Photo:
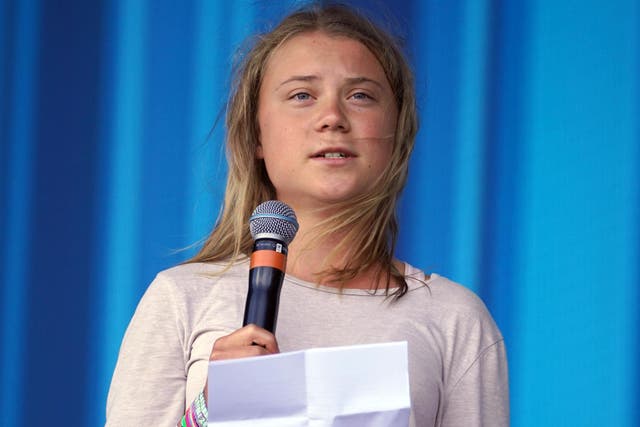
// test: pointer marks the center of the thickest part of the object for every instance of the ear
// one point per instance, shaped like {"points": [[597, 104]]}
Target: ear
{"points": [[259, 153]]}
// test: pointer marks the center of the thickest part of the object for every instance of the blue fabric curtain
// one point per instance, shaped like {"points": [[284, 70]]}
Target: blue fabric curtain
{"points": [[524, 184]]}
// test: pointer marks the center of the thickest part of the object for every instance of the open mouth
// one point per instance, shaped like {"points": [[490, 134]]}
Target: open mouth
{"points": [[333, 154]]}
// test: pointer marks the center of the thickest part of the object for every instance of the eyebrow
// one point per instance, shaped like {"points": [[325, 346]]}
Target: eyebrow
{"points": [[298, 79], [349, 80], [356, 80]]}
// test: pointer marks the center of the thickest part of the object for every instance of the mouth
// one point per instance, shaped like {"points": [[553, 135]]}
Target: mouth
{"points": [[333, 154]]}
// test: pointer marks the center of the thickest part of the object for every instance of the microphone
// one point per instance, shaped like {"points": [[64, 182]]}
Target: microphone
{"points": [[273, 226]]}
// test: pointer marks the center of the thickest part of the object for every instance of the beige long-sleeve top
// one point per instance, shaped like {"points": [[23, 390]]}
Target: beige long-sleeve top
{"points": [[457, 360]]}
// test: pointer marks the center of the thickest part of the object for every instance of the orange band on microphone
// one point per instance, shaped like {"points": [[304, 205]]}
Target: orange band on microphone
{"points": [[268, 258]]}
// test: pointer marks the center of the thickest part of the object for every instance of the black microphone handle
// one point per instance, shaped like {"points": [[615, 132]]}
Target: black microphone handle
{"points": [[263, 297]]}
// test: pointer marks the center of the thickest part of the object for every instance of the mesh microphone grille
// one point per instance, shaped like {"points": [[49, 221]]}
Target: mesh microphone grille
{"points": [[274, 217]]}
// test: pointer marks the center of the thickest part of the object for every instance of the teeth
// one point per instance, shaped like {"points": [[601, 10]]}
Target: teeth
{"points": [[334, 155]]}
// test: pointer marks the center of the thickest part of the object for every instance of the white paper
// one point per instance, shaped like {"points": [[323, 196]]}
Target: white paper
{"points": [[365, 385]]}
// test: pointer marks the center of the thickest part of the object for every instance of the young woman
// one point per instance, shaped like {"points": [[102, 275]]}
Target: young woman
{"points": [[323, 118]]}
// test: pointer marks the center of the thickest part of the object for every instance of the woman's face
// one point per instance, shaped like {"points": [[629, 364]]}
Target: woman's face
{"points": [[327, 119]]}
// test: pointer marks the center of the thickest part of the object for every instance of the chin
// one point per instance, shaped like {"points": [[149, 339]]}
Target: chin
{"points": [[334, 199], [324, 198]]}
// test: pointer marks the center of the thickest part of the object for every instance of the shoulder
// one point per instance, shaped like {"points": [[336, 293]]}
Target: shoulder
{"points": [[453, 305], [186, 282], [195, 275], [191, 293], [446, 292], [197, 270], [455, 296]]}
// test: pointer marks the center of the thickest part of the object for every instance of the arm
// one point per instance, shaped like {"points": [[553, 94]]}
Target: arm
{"points": [[248, 341], [481, 396], [148, 384]]}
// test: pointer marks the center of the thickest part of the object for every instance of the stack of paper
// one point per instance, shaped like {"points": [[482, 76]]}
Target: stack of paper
{"points": [[366, 385]]}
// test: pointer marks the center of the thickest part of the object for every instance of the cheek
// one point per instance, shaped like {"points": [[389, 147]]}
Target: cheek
{"points": [[268, 126], [385, 153], [384, 148], [380, 125], [390, 123], [264, 131]]}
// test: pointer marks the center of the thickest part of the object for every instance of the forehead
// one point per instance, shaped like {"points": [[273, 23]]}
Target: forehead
{"points": [[318, 51]]}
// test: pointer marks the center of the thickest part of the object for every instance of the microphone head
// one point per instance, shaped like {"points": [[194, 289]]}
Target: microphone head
{"points": [[273, 219]]}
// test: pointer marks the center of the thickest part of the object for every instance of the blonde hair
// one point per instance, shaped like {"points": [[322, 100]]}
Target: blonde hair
{"points": [[370, 219]]}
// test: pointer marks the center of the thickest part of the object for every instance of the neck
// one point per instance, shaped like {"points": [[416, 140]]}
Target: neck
{"points": [[309, 251], [309, 256]]}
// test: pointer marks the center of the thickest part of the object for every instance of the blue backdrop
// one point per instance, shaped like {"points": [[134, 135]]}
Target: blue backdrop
{"points": [[524, 184]]}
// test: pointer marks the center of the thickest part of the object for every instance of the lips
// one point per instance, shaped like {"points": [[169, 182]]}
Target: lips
{"points": [[333, 153]]}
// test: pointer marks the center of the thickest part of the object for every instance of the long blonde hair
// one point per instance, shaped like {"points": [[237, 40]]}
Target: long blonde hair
{"points": [[370, 220]]}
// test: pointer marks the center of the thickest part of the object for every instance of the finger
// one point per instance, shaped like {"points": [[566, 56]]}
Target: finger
{"points": [[247, 336], [263, 338], [239, 352], [248, 341]]}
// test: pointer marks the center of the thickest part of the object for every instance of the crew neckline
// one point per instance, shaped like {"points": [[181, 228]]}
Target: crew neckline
{"points": [[415, 280]]}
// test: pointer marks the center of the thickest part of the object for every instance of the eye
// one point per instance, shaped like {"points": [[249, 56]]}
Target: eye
{"points": [[361, 96], [301, 96]]}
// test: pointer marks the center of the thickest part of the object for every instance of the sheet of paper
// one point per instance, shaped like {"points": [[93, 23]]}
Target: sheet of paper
{"points": [[365, 385]]}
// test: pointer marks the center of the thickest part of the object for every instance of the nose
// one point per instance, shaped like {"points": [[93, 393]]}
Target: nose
{"points": [[332, 117]]}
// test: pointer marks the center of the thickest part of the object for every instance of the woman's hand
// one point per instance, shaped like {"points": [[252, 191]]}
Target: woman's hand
{"points": [[247, 341]]}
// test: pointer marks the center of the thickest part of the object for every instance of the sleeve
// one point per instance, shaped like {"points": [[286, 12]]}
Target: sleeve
{"points": [[481, 396], [148, 384]]}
